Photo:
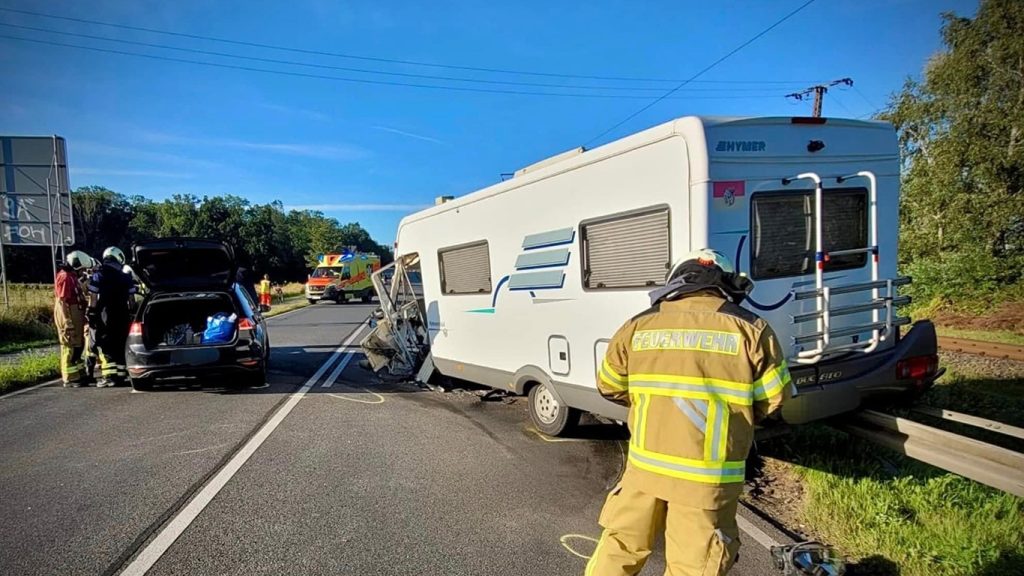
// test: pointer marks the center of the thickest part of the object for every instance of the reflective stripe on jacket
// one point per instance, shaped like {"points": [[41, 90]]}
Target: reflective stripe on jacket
{"points": [[697, 373]]}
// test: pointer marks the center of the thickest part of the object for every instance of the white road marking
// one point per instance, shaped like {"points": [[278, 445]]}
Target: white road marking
{"points": [[30, 388], [756, 533], [338, 370], [181, 521]]}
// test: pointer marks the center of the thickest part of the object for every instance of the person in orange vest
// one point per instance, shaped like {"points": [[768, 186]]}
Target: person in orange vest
{"points": [[265, 293], [697, 372], [69, 317]]}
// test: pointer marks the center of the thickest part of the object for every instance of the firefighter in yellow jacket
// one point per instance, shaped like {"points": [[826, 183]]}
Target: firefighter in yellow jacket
{"points": [[697, 372]]}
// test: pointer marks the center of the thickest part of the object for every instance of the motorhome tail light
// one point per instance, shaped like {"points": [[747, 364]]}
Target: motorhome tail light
{"points": [[135, 329], [807, 120], [917, 367], [245, 324]]}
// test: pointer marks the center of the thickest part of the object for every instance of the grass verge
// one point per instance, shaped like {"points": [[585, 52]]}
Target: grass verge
{"points": [[12, 347], [32, 369], [1000, 336], [288, 305], [895, 515], [901, 517]]}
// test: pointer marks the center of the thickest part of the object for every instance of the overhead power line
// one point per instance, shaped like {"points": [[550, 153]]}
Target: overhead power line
{"points": [[358, 70], [379, 59], [356, 80], [703, 71]]}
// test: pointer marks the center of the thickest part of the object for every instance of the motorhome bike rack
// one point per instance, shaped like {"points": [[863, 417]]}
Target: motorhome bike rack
{"points": [[883, 291]]}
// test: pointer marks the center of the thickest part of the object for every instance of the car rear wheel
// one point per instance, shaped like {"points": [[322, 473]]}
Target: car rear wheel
{"points": [[142, 384], [549, 415], [367, 297]]}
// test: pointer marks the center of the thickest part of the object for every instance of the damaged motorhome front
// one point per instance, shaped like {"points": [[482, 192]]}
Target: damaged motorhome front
{"points": [[524, 282]]}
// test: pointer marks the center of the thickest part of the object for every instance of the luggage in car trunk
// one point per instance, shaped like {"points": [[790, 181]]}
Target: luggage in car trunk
{"points": [[180, 320]]}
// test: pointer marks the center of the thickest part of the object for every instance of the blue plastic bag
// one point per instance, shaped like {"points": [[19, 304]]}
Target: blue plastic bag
{"points": [[220, 328]]}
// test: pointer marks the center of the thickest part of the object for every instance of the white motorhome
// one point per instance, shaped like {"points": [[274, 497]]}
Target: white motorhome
{"points": [[524, 282]]}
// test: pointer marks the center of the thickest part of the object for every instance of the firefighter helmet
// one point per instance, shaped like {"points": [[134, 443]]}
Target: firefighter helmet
{"points": [[78, 260], [114, 253], [705, 257]]}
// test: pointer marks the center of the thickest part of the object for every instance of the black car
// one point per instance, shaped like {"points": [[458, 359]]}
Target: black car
{"points": [[188, 281]]}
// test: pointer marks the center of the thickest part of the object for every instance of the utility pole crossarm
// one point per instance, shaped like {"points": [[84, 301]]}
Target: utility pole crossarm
{"points": [[819, 92]]}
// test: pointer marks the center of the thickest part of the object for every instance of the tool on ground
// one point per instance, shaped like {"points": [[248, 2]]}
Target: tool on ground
{"points": [[808, 558]]}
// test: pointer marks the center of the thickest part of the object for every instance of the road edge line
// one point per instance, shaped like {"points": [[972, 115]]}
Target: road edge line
{"points": [[30, 388], [171, 531]]}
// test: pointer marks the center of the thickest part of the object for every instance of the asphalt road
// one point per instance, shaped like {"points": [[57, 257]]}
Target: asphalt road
{"points": [[359, 477]]}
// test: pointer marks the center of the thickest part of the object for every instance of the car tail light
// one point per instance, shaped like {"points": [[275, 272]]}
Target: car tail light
{"points": [[917, 367], [245, 324], [135, 330]]}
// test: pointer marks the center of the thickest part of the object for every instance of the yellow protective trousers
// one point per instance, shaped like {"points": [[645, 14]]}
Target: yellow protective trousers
{"points": [[112, 369], [71, 368], [69, 321], [698, 542]]}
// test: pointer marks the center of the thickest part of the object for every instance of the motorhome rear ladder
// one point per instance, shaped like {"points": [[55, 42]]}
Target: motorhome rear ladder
{"points": [[883, 291]]}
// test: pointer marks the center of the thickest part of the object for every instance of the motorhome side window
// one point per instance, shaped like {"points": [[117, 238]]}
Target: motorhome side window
{"points": [[465, 269], [782, 231], [626, 251]]}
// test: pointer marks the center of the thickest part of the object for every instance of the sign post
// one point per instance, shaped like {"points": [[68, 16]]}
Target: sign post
{"points": [[36, 197], [3, 265]]}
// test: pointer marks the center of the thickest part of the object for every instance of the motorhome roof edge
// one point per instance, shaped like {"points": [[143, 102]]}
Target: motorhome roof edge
{"points": [[686, 126]]}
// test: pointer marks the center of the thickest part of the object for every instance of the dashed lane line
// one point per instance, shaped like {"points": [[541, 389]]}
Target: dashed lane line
{"points": [[163, 540]]}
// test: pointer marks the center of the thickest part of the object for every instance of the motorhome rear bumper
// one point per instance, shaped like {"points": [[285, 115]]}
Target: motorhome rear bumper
{"points": [[839, 386]]}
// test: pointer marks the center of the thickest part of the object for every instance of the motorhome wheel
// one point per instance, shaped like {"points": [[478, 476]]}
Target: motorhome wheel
{"points": [[548, 414]]}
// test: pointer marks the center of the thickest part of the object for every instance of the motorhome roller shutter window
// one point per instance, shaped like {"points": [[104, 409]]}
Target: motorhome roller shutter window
{"points": [[782, 242], [466, 269], [627, 252]]}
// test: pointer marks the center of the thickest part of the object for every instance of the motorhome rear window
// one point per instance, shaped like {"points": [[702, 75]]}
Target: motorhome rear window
{"points": [[626, 251], [782, 231], [465, 269]]}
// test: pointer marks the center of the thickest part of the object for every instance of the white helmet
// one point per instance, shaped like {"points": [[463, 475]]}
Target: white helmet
{"points": [[78, 260], [114, 253], [705, 257]]}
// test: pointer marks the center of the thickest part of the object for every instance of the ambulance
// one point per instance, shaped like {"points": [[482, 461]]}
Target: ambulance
{"points": [[340, 277]]}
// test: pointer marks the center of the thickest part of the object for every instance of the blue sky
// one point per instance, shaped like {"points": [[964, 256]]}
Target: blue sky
{"points": [[373, 153]]}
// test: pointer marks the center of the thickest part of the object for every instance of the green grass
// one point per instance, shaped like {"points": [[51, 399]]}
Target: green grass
{"points": [[31, 369], [294, 289], [1001, 336], [26, 322], [925, 521], [873, 503], [12, 347]]}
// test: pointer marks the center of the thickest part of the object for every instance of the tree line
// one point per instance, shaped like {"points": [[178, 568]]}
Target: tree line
{"points": [[961, 133], [266, 238]]}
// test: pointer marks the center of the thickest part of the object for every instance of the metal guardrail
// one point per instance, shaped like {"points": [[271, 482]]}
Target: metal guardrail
{"points": [[991, 465]]}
